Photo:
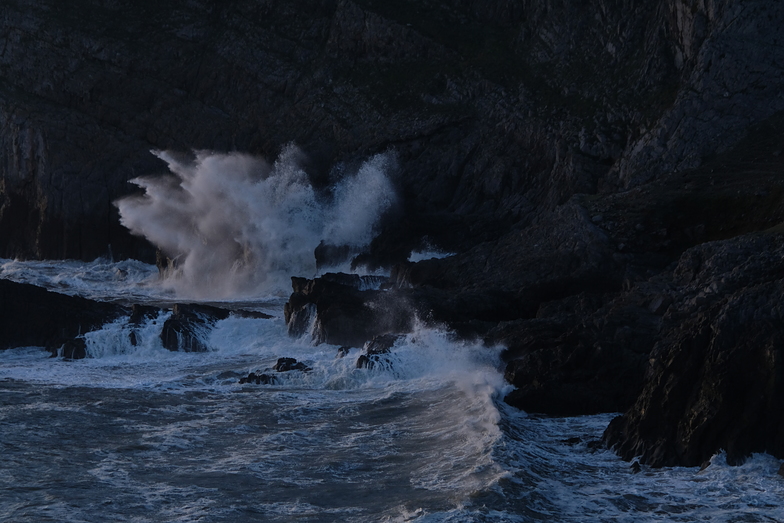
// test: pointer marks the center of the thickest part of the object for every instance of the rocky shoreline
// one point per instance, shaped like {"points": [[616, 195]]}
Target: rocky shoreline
{"points": [[610, 178]]}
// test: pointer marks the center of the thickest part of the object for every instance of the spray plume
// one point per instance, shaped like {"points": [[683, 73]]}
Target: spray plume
{"points": [[238, 227]]}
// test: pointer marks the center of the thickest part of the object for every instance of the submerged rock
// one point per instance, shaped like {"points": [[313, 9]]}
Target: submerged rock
{"points": [[282, 365], [289, 364], [74, 349], [374, 351], [259, 379]]}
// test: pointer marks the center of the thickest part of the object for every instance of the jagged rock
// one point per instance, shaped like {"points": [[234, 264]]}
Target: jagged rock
{"points": [[344, 315], [581, 355], [188, 325], [282, 365], [32, 316], [256, 315], [560, 256], [139, 314], [74, 349], [328, 255], [259, 379], [342, 352], [375, 349], [716, 375], [289, 364]]}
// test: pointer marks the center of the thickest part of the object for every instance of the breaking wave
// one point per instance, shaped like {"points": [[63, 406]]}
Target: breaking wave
{"points": [[234, 226]]}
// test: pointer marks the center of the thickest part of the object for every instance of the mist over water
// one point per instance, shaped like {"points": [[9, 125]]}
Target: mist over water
{"points": [[237, 226]]}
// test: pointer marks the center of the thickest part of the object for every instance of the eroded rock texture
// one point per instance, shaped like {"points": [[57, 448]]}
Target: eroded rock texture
{"points": [[498, 110], [32, 316], [607, 174]]}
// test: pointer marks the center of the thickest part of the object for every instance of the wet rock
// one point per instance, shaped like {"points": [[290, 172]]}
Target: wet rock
{"points": [[142, 313], [374, 351], [188, 327], [32, 316], [256, 315], [563, 255], [74, 349], [289, 364], [715, 380], [341, 313], [139, 315], [259, 379], [580, 355], [342, 352]]}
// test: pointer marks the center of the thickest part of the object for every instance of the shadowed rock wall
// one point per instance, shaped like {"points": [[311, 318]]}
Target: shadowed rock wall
{"points": [[498, 110]]}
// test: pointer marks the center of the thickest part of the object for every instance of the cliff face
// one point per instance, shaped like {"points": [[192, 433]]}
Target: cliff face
{"points": [[498, 110], [578, 156]]}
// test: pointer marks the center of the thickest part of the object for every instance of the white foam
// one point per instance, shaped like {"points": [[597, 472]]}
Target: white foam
{"points": [[428, 254], [237, 227], [102, 279]]}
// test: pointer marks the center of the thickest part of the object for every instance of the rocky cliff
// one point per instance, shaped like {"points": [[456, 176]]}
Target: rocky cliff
{"points": [[576, 156], [498, 110]]}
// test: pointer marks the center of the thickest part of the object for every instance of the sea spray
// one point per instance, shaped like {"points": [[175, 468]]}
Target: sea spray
{"points": [[237, 227]]}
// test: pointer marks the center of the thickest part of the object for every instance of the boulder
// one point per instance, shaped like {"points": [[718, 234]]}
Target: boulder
{"points": [[188, 326], [341, 313], [289, 364], [259, 379], [74, 349], [374, 350]]}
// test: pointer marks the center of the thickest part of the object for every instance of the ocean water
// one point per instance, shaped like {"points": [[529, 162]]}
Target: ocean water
{"points": [[138, 433]]}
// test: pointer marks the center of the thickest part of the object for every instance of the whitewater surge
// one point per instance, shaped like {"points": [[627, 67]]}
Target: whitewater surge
{"points": [[135, 432], [235, 226], [139, 433]]}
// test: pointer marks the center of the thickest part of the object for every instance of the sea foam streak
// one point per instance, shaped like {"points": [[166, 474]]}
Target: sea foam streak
{"points": [[236, 226]]}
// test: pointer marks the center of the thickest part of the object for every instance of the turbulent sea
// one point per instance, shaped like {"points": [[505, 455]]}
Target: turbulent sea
{"points": [[138, 433]]}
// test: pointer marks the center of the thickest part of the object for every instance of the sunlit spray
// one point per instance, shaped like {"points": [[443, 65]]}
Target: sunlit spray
{"points": [[236, 226]]}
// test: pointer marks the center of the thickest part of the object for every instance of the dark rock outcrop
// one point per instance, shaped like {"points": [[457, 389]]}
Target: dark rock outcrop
{"points": [[328, 255], [569, 152], [188, 326], [259, 379], [344, 314], [374, 350], [581, 355], [32, 316], [289, 364], [282, 365], [716, 376], [73, 349]]}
